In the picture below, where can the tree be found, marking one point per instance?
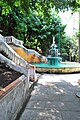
(70, 48)
(17, 18)
(40, 32)
(40, 5)
(13, 23)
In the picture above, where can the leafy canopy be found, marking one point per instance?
(34, 22)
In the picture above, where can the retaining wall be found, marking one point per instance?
(12, 98)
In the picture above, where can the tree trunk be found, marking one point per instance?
(79, 38)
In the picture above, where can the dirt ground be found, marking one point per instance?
(7, 75)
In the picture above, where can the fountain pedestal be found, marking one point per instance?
(54, 60)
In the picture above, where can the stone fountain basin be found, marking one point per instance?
(63, 67)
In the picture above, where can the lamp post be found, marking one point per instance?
(79, 38)
(59, 38)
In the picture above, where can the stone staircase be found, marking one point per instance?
(14, 60)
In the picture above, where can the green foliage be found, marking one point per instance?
(70, 48)
(13, 23)
(44, 6)
(35, 23)
(8, 5)
(43, 31)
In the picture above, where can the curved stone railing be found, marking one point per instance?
(12, 39)
(4, 47)
(12, 54)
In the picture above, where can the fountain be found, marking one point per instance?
(54, 63)
(53, 58)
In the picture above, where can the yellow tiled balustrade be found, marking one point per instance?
(26, 56)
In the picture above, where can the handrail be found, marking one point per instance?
(12, 39)
(13, 55)
(17, 59)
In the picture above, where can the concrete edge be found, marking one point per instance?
(9, 87)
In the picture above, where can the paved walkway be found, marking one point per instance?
(54, 98)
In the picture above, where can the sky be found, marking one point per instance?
(72, 21)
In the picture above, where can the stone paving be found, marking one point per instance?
(54, 98)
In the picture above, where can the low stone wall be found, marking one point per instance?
(58, 70)
(12, 98)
